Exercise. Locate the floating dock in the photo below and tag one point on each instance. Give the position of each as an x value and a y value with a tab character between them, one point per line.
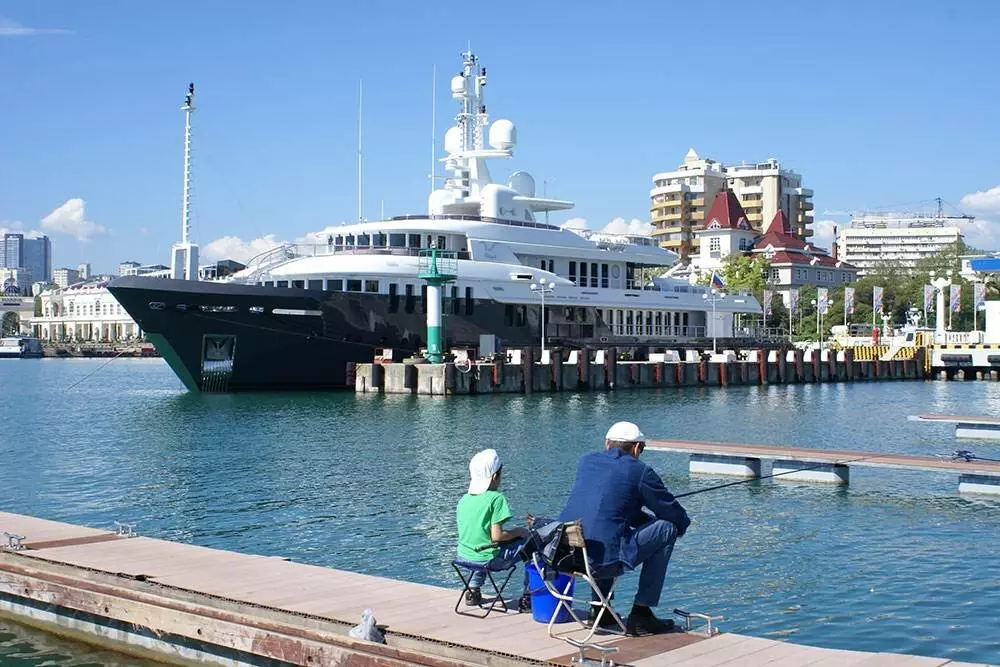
979	428
181	603
818	465
603	370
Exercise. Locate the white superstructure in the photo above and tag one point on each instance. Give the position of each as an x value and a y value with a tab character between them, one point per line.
500	248
874	239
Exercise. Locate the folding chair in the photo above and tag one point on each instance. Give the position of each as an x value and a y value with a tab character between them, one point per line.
463	566
573	545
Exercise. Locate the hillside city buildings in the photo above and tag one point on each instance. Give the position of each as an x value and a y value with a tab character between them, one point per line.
679	199
24	259
874	239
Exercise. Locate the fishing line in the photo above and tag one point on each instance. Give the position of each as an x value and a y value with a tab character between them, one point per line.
97	369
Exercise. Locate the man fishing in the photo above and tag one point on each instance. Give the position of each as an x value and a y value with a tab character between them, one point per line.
611	491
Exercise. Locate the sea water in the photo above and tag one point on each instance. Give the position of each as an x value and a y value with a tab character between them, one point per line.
897	561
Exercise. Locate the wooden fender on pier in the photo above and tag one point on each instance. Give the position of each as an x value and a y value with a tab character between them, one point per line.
762	365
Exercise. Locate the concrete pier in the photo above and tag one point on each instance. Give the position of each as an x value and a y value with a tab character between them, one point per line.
801	471
602	370
737	466
984	484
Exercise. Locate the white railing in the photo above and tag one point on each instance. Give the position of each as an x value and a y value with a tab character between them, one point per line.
959	337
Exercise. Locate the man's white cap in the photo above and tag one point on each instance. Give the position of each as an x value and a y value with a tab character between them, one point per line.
482	467
625	432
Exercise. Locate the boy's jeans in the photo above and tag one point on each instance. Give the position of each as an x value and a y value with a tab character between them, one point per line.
509	554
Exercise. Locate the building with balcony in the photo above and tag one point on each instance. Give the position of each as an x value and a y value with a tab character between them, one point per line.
679	199
83	312
874	239
64	277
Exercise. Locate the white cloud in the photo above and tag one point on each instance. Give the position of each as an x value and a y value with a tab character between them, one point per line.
984	232
824	233
10	28
835	212
12	226
634	227
575	223
71	219
233	247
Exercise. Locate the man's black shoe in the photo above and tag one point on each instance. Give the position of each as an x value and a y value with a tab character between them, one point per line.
642	622
608	621
473	597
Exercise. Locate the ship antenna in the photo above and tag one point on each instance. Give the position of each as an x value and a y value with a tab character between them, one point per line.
360	154
188	109
433	175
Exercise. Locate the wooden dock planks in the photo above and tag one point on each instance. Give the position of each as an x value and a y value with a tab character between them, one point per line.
414	612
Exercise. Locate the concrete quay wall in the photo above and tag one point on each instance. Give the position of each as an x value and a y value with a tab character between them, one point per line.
589	373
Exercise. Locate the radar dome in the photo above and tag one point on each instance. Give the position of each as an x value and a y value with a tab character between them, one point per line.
458	84
453	140
503	135
523	182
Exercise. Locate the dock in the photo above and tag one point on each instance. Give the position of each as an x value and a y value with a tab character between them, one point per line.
978	428
182	603
825	466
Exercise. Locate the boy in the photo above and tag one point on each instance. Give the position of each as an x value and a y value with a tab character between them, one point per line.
481	514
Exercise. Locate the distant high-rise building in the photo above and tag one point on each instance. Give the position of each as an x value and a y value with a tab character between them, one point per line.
65	277
13	253
84	271
37	257
681	198
905	239
128	268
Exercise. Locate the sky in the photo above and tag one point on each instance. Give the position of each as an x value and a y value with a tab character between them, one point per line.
879	105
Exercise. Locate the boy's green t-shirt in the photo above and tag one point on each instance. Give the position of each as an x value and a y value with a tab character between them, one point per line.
476	513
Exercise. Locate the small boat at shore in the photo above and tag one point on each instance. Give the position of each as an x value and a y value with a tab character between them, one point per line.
20	347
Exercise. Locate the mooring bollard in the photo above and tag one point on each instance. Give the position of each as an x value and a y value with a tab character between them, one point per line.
527	370
762	365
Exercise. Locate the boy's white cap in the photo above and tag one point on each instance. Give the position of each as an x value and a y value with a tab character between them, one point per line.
625	432
482	467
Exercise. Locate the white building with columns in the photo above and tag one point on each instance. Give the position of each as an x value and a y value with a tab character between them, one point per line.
84	312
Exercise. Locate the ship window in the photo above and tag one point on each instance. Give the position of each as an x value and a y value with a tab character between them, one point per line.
583	314
583	274
568	314
371	286
522	316
336	285
378	240
299	283
393	298
267	283
454	300
353	285
593	275
468	301
281	283
552	266
441	243
572	272
543	265
604	275
409	298
315	284
414	240
349	240
338	241
508	315
397	240
364	240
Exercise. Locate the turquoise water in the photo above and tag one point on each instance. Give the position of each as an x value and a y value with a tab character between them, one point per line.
896	562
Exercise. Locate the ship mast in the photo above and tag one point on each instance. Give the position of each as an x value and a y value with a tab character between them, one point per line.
188	109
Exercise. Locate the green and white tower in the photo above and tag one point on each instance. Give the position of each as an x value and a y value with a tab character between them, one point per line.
437	268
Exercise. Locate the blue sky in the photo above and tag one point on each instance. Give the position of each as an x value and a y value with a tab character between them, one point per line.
877	104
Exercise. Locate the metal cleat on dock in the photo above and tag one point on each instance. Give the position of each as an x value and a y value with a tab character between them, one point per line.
583	660
707	629
14	542
126	529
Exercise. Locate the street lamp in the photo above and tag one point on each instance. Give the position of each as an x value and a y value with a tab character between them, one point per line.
542	289
939	285
714	296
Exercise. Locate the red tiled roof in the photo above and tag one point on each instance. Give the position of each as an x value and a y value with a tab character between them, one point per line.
800	259
779	223
727	211
779	240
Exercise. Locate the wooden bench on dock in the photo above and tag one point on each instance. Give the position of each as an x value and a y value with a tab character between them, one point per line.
178	601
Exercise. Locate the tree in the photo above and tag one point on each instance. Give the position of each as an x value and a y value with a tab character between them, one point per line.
742	273
11	324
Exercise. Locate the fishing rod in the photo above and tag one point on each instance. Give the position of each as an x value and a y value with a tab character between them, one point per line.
774	474
965	455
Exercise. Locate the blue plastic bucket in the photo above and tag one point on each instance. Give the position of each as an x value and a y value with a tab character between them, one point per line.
543	604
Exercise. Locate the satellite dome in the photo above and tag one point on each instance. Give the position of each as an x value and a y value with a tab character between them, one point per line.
503	135
453	140
458	86
523	182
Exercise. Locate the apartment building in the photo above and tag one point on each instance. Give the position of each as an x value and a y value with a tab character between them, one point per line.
874	239
679	199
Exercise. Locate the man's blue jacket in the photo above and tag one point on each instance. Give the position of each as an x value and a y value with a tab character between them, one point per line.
610	491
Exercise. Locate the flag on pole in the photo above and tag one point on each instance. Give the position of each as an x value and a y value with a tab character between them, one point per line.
928	297
717	281
793	301
956	298
768	298
822	300
849	300
876	299
979	290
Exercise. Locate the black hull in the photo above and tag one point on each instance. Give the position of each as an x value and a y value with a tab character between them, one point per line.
256	349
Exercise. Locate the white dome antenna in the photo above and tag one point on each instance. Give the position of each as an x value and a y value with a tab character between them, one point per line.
523	182
503	135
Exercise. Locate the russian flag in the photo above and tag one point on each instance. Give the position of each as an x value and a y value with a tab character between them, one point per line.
717	280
